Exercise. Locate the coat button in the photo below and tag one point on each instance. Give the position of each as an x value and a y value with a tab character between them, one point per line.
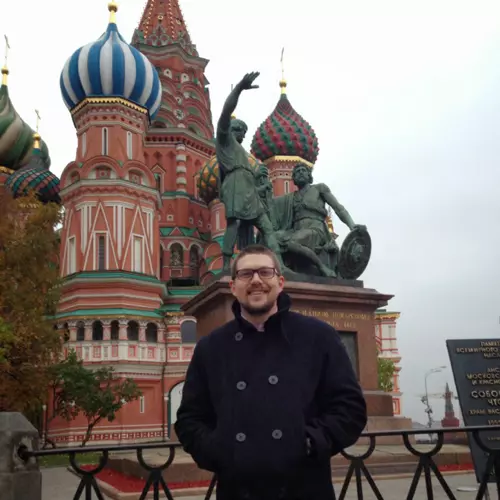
238	336
241	386
240	437
273	379
277	434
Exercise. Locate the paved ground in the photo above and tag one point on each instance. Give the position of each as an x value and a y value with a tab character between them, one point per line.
59	484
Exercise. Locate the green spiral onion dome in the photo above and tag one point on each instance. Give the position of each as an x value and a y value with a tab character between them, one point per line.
285	133
16	136
207	181
35	176
44	154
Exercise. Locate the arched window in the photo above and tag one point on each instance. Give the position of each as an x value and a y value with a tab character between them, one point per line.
130	150
133	331
194	261
105	140
176	255
84	143
71	268
138	254
80	331
161	262
175	402
97	331
188	331
115	330
101	256
194	256
66	332
151	333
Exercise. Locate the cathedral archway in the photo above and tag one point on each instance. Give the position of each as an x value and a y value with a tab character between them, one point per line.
174	401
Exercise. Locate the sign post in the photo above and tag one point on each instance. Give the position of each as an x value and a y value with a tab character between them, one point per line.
476	369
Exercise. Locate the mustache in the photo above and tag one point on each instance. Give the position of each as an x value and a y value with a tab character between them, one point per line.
257	289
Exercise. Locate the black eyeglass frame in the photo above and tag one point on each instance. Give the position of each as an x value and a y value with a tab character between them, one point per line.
275	272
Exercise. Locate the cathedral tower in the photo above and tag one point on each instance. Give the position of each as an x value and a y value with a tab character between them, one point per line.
112	295
110	196
180	139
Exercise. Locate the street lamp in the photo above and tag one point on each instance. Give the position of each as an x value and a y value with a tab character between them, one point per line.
428	409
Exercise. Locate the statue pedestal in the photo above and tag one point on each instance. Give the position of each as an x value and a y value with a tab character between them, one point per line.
347	306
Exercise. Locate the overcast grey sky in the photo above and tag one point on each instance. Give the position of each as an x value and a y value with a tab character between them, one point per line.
404	96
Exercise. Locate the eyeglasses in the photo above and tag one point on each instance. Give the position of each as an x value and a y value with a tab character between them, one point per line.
265	273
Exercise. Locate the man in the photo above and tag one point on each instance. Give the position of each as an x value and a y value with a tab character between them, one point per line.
238	190
302	219
270	396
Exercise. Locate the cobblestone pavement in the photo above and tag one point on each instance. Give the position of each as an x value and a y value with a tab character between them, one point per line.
60	484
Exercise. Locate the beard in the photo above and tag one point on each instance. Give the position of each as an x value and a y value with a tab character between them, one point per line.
257	310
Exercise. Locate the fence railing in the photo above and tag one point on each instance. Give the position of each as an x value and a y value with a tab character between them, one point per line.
357	468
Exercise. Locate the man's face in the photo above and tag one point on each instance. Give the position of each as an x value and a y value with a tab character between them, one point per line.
262	177
239	131
256	293
301	176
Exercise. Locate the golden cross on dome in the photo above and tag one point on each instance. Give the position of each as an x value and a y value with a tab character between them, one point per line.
113	8
7	47
282	64
38	119
283	81
5	71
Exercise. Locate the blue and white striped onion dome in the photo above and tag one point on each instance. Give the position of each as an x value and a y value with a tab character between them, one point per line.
110	67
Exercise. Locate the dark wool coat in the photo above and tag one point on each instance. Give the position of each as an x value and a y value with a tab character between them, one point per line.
267	410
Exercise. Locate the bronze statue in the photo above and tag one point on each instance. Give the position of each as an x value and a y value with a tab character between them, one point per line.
237	182
303	233
265	190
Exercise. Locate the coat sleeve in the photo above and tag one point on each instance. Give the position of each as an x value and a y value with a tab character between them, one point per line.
342	407
196	418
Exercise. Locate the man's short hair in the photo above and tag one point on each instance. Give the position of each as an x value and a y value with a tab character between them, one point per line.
241	123
255	250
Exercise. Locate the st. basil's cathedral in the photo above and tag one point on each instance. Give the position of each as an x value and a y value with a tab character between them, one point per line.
143	225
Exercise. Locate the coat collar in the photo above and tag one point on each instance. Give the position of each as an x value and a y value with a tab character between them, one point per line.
273	322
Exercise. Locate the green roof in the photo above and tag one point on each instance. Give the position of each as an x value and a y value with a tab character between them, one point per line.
185	231
110	312
185	292
107	275
171	308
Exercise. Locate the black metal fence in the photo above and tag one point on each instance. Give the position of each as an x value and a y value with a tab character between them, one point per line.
364	480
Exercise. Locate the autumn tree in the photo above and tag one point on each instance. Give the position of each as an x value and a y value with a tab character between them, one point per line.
386	369
96	394
29	292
